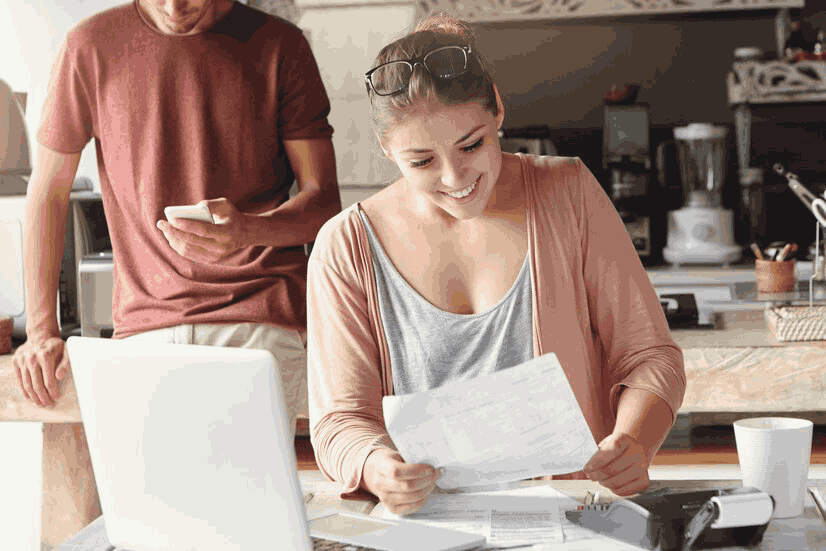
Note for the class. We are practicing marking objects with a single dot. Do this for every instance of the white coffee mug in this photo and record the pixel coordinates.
(774, 454)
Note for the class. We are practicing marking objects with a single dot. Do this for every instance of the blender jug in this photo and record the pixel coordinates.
(701, 150)
(701, 231)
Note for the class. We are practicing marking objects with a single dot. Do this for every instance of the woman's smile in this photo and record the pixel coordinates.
(465, 193)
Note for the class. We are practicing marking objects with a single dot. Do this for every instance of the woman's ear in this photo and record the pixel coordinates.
(383, 150)
(500, 108)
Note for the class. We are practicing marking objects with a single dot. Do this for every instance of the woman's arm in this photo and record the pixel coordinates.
(623, 459)
(643, 366)
(345, 378)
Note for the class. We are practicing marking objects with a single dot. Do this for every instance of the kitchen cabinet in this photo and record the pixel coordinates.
(516, 10)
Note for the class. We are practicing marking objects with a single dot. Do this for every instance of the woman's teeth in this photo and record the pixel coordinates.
(464, 193)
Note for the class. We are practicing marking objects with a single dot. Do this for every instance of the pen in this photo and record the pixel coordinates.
(820, 502)
(781, 256)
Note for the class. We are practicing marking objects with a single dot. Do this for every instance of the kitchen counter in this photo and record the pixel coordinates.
(741, 370)
(736, 370)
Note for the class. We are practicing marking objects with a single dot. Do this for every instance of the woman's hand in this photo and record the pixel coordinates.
(402, 487)
(620, 464)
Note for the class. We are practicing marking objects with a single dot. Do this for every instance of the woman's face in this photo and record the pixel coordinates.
(449, 156)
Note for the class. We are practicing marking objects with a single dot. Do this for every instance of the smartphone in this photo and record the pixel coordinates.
(190, 212)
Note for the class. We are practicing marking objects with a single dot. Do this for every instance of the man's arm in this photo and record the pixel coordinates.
(294, 222)
(47, 202)
(298, 220)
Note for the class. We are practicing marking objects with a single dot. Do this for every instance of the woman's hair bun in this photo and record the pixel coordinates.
(446, 24)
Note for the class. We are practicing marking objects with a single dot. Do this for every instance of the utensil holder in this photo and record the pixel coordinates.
(774, 277)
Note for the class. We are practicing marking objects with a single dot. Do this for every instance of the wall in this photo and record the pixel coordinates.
(556, 74)
(552, 73)
(31, 34)
(345, 40)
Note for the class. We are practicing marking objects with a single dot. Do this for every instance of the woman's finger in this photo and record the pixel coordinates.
(633, 485)
(609, 451)
(619, 465)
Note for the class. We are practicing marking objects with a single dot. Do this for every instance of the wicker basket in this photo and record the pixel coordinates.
(797, 323)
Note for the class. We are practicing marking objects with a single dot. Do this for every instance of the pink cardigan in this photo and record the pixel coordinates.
(593, 305)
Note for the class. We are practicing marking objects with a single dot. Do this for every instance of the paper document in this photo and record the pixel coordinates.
(531, 518)
(513, 424)
(505, 519)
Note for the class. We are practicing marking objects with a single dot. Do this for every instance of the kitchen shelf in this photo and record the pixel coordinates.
(751, 84)
(772, 82)
(746, 293)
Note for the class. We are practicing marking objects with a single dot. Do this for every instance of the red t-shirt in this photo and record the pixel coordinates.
(179, 119)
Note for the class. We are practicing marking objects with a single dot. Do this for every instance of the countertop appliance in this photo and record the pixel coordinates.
(86, 230)
(626, 155)
(15, 163)
(682, 521)
(701, 231)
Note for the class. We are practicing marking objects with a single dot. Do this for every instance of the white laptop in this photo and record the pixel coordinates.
(190, 452)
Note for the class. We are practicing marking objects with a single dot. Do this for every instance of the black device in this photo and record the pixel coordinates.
(681, 521)
(627, 158)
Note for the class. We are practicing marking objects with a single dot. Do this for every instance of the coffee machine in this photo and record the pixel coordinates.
(701, 231)
(627, 158)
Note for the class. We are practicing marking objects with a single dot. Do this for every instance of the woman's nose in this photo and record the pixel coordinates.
(454, 175)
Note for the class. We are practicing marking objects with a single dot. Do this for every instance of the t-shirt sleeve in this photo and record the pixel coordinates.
(303, 100)
(66, 123)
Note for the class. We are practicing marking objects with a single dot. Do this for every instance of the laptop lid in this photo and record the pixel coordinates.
(188, 445)
(190, 452)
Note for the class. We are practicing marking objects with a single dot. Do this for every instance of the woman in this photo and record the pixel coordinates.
(476, 260)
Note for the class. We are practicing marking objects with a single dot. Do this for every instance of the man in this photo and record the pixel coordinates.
(188, 101)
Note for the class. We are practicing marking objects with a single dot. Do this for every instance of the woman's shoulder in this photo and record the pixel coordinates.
(337, 235)
(554, 165)
(552, 177)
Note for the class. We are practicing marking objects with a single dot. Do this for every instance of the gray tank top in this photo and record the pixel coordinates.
(430, 347)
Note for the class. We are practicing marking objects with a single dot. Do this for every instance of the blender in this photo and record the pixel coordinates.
(701, 231)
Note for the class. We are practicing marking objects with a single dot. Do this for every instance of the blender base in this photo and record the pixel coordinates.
(701, 235)
(704, 256)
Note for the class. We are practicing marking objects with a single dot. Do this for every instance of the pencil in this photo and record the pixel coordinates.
(756, 250)
(786, 250)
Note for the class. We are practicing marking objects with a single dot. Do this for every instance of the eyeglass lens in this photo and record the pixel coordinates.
(448, 62)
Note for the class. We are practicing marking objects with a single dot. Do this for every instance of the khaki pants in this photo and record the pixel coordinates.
(288, 347)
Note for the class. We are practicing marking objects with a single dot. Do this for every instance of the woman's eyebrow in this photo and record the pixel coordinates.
(468, 135)
(415, 150)
(460, 140)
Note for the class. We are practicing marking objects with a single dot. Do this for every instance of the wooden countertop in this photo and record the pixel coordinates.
(736, 329)
(15, 407)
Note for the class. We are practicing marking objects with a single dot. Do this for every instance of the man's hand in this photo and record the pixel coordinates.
(402, 487)
(203, 242)
(620, 464)
(39, 364)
